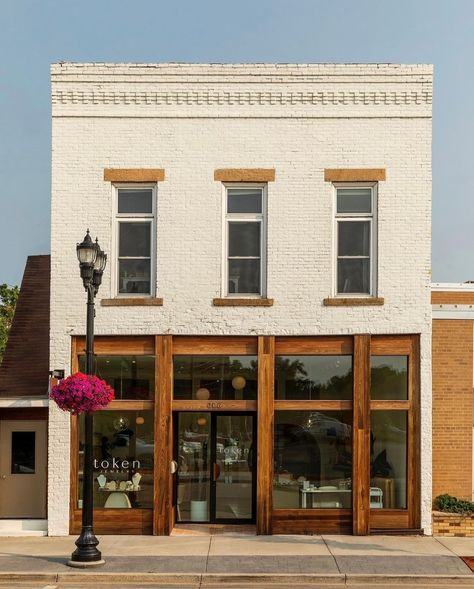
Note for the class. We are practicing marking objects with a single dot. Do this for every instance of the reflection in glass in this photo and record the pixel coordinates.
(122, 453)
(244, 200)
(312, 459)
(354, 200)
(313, 377)
(194, 467)
(389, 378)
(134, 276)
(353, 275)
(244, 276)
(244, 239)
(215, 377)
(134, 240)
(235, 461)
(388, 459)
(353, 238)
(23, 453)
(133, 201)
(131, 377)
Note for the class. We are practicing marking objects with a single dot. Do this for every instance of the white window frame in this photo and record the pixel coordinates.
(133, 218)
(372, 218)
(242, 217)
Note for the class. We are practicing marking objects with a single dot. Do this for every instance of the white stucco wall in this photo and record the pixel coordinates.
(193, 119)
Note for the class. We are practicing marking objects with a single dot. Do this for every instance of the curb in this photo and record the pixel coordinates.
(215, 579)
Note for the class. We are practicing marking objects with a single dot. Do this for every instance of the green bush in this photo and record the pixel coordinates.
(451, 504)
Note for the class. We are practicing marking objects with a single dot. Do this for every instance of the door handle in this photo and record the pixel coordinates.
(216, 471)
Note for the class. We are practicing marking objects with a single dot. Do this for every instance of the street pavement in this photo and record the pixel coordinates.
(241, 561)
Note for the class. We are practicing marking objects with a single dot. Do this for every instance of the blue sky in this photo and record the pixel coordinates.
(35, 33)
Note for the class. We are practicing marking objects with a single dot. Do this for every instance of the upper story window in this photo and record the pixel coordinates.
(244, 272)
(355, 240)
(135, 230)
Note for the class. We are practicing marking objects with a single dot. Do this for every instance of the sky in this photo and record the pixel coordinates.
(36, 33)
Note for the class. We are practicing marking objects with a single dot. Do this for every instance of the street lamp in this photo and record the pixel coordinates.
(92, 262)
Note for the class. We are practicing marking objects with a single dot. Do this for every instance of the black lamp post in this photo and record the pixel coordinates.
(92, 262)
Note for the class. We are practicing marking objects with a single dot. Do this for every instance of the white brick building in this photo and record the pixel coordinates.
(179, 138)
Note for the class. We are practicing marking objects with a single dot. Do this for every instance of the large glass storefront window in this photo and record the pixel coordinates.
(312, 459)
(215, 377)
(389, 378)
(313, 377)
(388, 459)
(132, 377)
(122, 457)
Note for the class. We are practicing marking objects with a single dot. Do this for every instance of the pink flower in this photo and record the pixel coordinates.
(81, 393)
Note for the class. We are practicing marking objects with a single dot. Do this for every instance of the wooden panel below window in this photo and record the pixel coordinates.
(313, 345)
(317, 405)
(117, 521)
(391, 345)
(389, 518)
(215, 345)
(119, 345)
(312, 521)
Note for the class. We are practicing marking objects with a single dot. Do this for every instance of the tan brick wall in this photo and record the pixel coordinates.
(453, 524)
(452, 407)
(452, 298)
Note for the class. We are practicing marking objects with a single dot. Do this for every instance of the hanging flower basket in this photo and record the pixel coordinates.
(80, 393)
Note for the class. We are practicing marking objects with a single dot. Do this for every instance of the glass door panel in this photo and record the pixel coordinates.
(194, 467)
(233, 467)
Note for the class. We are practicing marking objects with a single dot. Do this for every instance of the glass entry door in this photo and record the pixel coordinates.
(216, 457)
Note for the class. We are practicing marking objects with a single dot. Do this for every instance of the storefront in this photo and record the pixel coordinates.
(292, 434)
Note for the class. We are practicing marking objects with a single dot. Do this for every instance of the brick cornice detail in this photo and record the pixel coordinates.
(245, 175)
(354, 174)
(134, 174)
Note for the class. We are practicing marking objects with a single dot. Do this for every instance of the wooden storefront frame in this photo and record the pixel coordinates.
(358, 520)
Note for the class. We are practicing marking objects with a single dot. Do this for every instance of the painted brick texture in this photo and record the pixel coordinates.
(452, 407)
(192, 120)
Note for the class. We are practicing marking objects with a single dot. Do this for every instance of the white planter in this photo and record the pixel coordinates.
(199, 511)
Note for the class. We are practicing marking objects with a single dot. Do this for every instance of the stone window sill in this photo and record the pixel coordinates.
(353, 302)
(132, 302)
(231, 302)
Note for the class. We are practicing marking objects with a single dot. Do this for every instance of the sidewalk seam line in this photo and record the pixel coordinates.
(335, 560)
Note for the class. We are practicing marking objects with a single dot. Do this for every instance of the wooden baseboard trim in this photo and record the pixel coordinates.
(354, 302)
(132, 302)
(229, 302)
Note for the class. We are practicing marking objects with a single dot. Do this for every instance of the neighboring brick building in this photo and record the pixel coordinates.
(268, 229)
(453, 331)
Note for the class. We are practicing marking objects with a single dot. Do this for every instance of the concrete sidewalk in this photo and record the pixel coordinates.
(204, 560)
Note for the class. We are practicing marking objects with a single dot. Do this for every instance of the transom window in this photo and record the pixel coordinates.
(135, 218)
(355, 240)
(244, 240)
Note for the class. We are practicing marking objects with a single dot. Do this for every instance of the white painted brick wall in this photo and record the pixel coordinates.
(191, 120)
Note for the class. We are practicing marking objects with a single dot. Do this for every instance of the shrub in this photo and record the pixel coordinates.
(450, 504)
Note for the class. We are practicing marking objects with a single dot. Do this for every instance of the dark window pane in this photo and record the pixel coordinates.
(388, 459)
(244, 239)
(353, 276)
(215, 377)
(23, 453)
(244, 200)
(313, 377)
(353, 238)
(135, 201)
(134, 240)
(313, 459)
(389, 377)
(244, 276)
(134, 276)
(122, 459)
(354, 200)
(132, 377)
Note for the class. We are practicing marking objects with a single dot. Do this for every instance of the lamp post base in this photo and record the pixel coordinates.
(77, 564)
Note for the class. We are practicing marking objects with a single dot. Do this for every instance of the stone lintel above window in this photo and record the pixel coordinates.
(354, 175)
(134, 174)
(245, 175)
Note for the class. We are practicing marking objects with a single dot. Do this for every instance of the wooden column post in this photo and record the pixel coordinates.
(163, 454)
(265, 433)
(361, 437)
